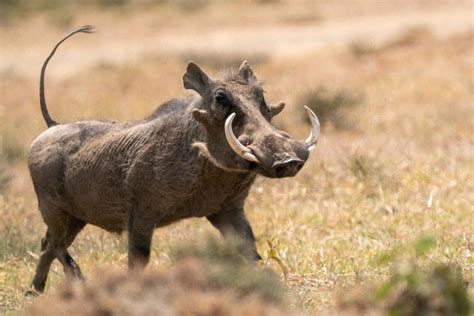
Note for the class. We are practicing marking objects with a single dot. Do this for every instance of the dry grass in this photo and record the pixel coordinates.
(216, 279)
(403, 171)
(180, 290)
(212, 279)
(437, 289)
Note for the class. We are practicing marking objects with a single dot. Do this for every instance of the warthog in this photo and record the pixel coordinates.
(191, 158)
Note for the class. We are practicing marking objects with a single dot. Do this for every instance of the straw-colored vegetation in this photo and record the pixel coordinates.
(399, 177)
(207, 279)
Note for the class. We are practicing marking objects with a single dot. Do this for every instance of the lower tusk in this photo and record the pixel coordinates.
(234, 143)
(312, 139)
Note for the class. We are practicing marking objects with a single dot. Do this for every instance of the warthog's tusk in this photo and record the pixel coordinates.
(234, 143)
(312, 139)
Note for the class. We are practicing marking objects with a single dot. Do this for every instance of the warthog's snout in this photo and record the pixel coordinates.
(287, 167)
(286, 162)
(271, 152)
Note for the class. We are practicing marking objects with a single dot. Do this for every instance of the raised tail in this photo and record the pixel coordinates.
(44, 110)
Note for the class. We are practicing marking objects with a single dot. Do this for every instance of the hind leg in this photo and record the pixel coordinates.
(44, 264)
(71, 268)
(60, 235)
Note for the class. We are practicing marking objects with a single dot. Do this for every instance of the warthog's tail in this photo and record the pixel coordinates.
(44, 110)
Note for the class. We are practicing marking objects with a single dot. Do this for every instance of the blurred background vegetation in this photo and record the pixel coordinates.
(68, 9)
(378, 221)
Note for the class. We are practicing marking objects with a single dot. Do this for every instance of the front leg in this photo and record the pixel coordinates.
(235, 223)
(140, 233)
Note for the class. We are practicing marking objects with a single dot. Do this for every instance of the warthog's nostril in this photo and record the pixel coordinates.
(287, 168)
(279, 170)
(299, 166)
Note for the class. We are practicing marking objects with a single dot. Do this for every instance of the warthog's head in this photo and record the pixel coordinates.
(240, 135)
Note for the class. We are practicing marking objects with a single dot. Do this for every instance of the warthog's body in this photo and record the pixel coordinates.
(97, 171)
(182, 161)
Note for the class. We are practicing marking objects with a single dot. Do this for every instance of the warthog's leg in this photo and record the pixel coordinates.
(140, 233)
(44, 264)
(235, 223)
(73, 227)
(60, 235)
(71, 269)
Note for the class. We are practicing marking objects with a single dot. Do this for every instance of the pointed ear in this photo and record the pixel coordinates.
(246, 73)
(196, 79)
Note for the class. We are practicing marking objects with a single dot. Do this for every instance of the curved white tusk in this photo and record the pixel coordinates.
(312, 139)
(234, 143)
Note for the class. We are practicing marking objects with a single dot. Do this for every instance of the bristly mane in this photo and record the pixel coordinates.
(232, 75)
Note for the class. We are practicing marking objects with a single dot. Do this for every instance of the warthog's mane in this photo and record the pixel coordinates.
(232, 75)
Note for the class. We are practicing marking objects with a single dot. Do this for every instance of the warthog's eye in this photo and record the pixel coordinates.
(222, 98)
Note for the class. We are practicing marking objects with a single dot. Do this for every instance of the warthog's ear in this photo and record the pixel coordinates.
(276, 109)
(196, 79)
(246, 73)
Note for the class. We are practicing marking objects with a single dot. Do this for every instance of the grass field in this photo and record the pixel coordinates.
(394, 164)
